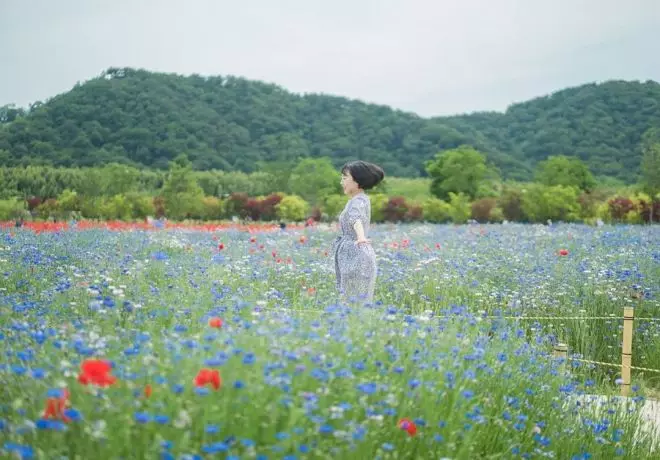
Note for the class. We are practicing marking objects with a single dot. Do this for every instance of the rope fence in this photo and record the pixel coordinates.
(560, 350)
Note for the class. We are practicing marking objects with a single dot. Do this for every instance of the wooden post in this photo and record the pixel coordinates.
(560, 351)
(626, 349)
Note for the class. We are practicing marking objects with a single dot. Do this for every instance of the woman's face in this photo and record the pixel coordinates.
(348, 183)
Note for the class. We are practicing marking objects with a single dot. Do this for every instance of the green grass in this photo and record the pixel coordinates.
(416, 190)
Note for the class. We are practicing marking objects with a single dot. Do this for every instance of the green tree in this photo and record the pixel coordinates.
(650, 166)
(557, 203)
(563, 170)
(461, 170)
(314, 178)
(183, 195)
(117, 179)
(292, 208)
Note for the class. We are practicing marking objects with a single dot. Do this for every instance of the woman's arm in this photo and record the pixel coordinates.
(359, 231)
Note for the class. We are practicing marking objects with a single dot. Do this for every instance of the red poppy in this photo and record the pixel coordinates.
(215, 322)
(147, 391)
(55, 407)
(408, 426)
(96, 372)
(208, 376)
(563, 252)
(253, 239)
(437, 245)
(221, 246)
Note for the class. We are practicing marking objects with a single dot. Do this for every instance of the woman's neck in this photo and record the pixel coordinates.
(356, 193)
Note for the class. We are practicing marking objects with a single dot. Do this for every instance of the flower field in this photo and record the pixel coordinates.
(229, 342)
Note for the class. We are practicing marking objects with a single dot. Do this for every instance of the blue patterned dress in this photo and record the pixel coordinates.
(355, 266)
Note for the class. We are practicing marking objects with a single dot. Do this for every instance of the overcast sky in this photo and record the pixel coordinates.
(432, 57)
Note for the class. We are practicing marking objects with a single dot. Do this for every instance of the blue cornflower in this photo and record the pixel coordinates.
(368, 388)
(215, 448)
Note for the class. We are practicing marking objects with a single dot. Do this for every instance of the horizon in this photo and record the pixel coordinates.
(424, 57)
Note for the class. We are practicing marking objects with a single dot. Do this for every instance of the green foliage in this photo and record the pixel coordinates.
(459, 210)
(182, 194)
(139, 118)
(312, 179)
(68, 202)
(116, 207)
(562, 170)
(292, 208)
(650, 166)
(378, 203)
(557, 203)
(414, 189)
(334, 204)
(142, 205)
(436, 210)
(12, 209)
(460, 170)
(482, 210)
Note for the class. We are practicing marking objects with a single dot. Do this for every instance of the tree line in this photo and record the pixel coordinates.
(464, 186)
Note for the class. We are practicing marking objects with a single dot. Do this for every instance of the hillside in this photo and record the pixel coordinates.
(230, 123)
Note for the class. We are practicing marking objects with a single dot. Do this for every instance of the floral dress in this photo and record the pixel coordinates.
(355, 265)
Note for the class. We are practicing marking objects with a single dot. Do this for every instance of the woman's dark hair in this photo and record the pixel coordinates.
(366, 175)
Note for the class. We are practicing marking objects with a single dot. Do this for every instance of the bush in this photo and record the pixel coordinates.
(378, 203)
(141, 204)
(268, 204)
(415, 213)
(212, 208)
(510, 202)
(12, 209)
(459, 207)
(48, 209)
(496, 214)
(482, 209)
(556, 202)
(645, 211)
(334, 204)
(619, 207)
(396, 209)
(116, 207)
(236, 205)
(292, 208)
(436, 210)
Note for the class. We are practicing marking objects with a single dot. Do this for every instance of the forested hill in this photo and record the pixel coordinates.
(230, 123)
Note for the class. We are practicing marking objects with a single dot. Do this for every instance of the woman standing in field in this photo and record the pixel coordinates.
(355, 259)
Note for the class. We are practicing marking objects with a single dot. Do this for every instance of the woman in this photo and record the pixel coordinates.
(355, 260)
